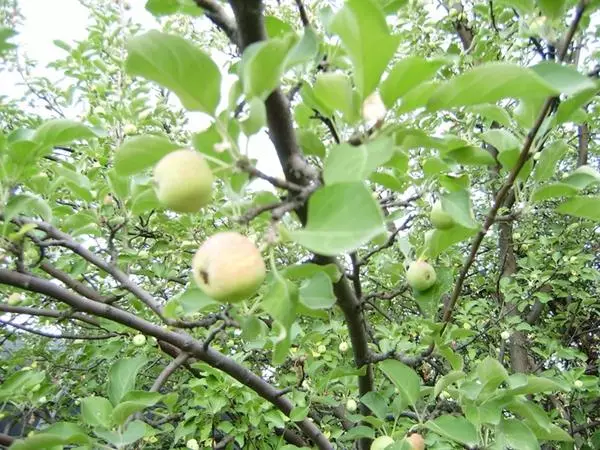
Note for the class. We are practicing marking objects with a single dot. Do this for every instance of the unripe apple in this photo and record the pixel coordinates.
(373, 108)
(578, 384)
(321, 348)
(440, 218)
(505, 335)
(139, 340)
(183, 181)
(343, 347)
(420, 275)
(108, 200)
(14, 299)
(381, 442)
(351, 405)
(416, 441)
(129, 129)
(192, 444)
(228, 267)
(467, 326)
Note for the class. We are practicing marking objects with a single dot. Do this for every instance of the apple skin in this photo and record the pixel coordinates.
(421, 275)
(228, 267)
(14, 299)
(440, 219)
(416, 441)
(139, 340)
(183, 181)
(351, 405)
(381, 442)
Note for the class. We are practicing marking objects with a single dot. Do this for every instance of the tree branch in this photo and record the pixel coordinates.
(168, 371)
(220, 17)
(57, 336)
(181, 340)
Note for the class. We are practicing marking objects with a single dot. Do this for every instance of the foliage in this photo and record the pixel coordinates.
(376, 110)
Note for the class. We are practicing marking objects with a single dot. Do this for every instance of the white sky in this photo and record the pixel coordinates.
(46, 21)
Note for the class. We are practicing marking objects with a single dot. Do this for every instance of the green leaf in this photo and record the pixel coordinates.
(61, 132)
(470, 155)
(281, 303)
(58, 434)
(25, 203)
(188, 302)
(488, 83)
(447, 380)
(491, 373)
(5, 35)
(133, 402)
(20, 383)
(341, 218)
(569, 107)
(257, 117)
(347, 163)
(458, 205)
(141, 152)
(437, 241)
(554, 190)
(122, 376)
(565, 79)
(580, 206)
(404, 378)
(526, 385)
(364, 32)
(96, 412)
(517, 435)
(177, 65)
(455, 428)
(309, 270)
(306, 50)
(135, 431)
(376, 403)
(334, 91)
(355, 433)
(531, 412)
(550, 156)
(552, 8)
(317, 292)
(262, 66)
(311, 144)
(298, 414)
(407, 74)
(493, 113)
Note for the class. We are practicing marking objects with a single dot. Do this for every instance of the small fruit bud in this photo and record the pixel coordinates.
(192, 444)
(351, 405)
(373, 109)
(321, 348)
(467, 326)
(381, 443)
(139, 340)
(505, 335)
(129, 129)
(578, 384)
(343, 347)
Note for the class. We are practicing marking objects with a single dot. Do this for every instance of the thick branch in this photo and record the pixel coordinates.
(55, 335)
(220, 17)
(47, 313)
(168, 371)
(181, 340)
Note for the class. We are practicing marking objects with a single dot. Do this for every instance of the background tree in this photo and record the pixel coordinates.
(376, 111)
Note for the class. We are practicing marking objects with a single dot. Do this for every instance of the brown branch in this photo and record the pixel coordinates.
(506, 187)
(303, 15)
(181, 340)
(245, 166)
(57, 336)
(168, 371)
(47, 313)
(72, 283)
(220, 17)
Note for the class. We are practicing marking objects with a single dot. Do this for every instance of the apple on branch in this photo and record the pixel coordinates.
(183, 181)
(228, 267)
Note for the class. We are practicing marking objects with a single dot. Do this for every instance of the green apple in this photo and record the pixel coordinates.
(440, 218)
(416, 441)
(129, 129)
(381, 442)
(228, 267)
(183, 181)
(351, 405)
(420, 275)
(343, 347)
(139, 340)
(14, 299)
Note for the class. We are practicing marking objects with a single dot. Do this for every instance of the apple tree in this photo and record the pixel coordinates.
(294, 224)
